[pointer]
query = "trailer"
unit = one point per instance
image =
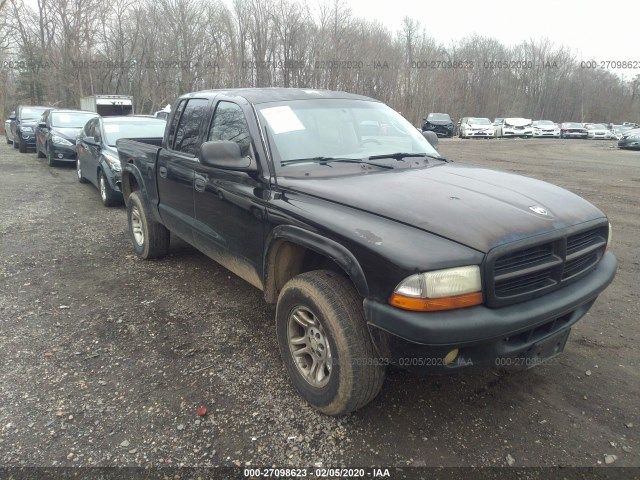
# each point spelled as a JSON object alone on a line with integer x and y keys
{"x": 108, "y": 105}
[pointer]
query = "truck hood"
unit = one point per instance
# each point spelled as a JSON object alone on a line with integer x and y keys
{"x": 476, "y": 207}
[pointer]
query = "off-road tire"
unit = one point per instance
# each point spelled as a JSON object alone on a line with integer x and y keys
{"x": 156, "y": 236}
{"x": 357, "y": 375}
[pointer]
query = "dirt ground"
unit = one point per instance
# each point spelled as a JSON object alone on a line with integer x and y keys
{"x": 104, "y": 358}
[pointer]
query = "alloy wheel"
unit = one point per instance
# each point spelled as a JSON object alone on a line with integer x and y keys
{"x": 309, "y": 347}
{"x": 136, "y": 226}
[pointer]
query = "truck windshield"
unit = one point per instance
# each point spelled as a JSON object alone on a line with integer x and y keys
{"x": 70, "y": 119}
{"x": 147, "y": 128}
{"x": 338, "y": 128}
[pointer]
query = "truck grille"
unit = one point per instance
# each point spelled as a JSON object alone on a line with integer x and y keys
{"x": 534, "y": 270}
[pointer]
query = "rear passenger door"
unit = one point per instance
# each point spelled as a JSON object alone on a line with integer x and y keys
{"x": 176, "y": 164}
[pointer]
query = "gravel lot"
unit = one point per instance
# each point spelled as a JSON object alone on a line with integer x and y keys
{"x": 104, "y": 358}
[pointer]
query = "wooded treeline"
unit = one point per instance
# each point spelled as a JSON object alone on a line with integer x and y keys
{"x": 55, "y": 51}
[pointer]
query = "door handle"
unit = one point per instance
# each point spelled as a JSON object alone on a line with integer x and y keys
{"x": 200, "y": 183}
{"x": 163, "y": 172}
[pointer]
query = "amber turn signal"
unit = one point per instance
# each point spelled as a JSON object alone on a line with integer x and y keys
{"x": 435, "y": 304}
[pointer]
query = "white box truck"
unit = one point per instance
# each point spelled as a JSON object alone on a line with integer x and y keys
{"x": 108, "y": 105}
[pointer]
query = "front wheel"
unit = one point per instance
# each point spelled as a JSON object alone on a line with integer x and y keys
{"x": 39, "y": 153}
{"x": 108, "y": 195}
{"x": 325, "y": 344}
{"x": 79, "y": 174}
{"x": 22, "y": 147}
{"x": 150, "y": 239}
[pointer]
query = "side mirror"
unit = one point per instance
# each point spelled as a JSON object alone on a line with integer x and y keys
{"x": 226, "y": 154}
{"x": 42, "y": 124}
{"x": 90, "y": 141}
{"x": 431, "y": 137}
{"x": 12, "y": 116}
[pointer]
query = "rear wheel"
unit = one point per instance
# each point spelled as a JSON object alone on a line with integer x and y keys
{"x": 150, "y": 239}
{"x": 39, "y": 153}
{"x": 9, "y": 142}
{"x": 325, "y": 344}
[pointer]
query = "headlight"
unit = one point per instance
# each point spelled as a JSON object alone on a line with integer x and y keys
{"x": 113, "y": 161}
{"x": 58, "y": 140}
{"x": 439, "y": 290}
{"x": 26, "y": 129}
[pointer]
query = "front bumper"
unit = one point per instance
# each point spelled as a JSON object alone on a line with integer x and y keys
{"x": 550, "y": 133}
{"x": 574, "y": 134}
{"x": 28, "y": 139}
{"x": 63, "y": 153}
{"x": 517, "y": 133}
{"x": 483, "y": 335}
{"x": 479, "y": 133}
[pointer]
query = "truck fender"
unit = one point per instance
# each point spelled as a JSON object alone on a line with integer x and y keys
{"x": 131, "y": 169}
{"x": 322, "y": 245}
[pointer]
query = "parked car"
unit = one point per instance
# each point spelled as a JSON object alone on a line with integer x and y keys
{"x": 630, "y": 140}
{"x": 476, "y": 127}
{"x": 598, "y": 131}
{"x": 631, "y": 124}
{"x": 514, "y": 127}
{"x": 546, "y": 128}
{"x": 439, "y": 123}
{"x": 572, "y": 130}
{"x": 97, "y": 157}
{"x": 619, "y": 130}
{"x": 280, "y": 187}
{"x": 7, "y": 127}
{"x": 23, "y": 128}
{"x": 164, "y": 113}
{"x": 56, "y": 134}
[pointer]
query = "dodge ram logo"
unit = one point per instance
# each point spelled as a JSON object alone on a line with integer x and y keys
{"x": 539, "y": 210}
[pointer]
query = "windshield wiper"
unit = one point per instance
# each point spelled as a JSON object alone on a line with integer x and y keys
{"x": 402, "y": 155}
{"x": 325, "y": 160}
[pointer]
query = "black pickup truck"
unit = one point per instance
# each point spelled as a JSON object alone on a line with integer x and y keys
{"x": 376, "y": 249}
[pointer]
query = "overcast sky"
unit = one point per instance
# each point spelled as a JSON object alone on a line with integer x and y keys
{"x": 594, "y": 29}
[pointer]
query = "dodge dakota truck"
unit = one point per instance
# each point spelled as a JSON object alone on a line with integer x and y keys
{"x": 376, "y": 249}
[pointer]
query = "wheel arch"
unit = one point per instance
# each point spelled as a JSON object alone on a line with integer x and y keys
{"x": 290, "y": 250}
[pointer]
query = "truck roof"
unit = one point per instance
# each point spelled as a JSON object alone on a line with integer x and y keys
{"x": 277, "y": 94}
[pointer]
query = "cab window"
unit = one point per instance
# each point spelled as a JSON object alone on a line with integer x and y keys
{"x": 188, "y": 130}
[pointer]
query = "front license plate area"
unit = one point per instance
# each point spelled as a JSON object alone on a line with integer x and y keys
{"x": 546, "y": 349}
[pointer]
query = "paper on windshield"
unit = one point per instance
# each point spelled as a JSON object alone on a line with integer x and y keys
{"x": 282, "y": 119}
